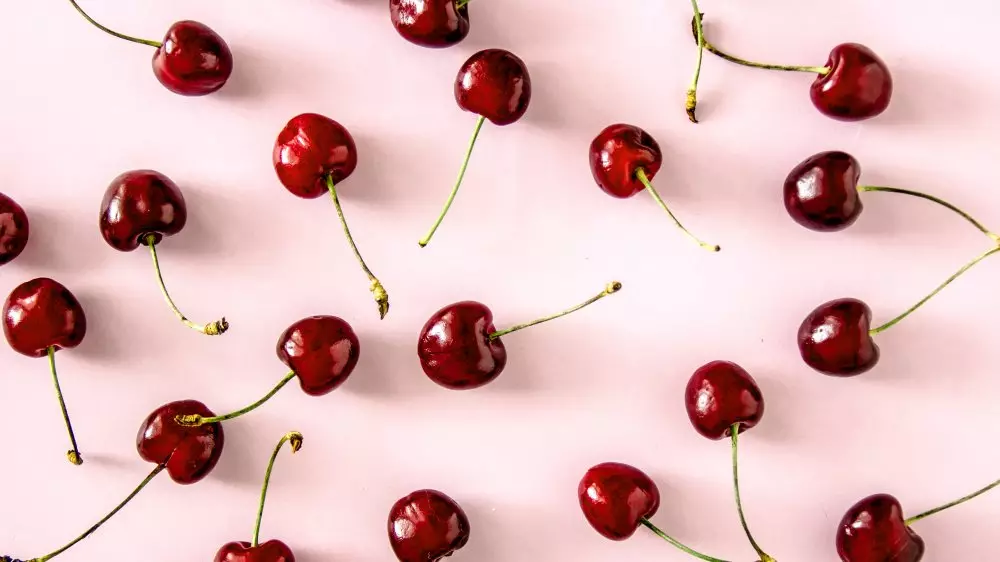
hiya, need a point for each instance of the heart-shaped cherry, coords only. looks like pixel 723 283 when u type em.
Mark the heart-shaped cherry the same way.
pixel 836 338
pixel 460 348
pixel 426 526
pixel 41 317
pixel 312 155
pixel 192 60
pixel 143 207
pixel 13 229
pixel 495 85
pixel 272 550
pixel 624 159
pixel 431 23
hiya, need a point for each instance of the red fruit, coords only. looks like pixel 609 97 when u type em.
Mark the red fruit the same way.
pixel 821 193
pixel 270 551
pixel 455 349
pixel 310 148
pixel 42 313
pixel 322 350
pixel 616 497
pixel 874 530
pixel 720 395
pixel 617 153
pixel 430 23
pixel 835 340
pixel 13 229
pixel 427 526
pixel 189 453
pixel 140 203
pixel 495 84
pixel 858 85
pixel 193 60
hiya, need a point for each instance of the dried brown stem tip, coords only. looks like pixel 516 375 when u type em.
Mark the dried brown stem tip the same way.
pixel 74 458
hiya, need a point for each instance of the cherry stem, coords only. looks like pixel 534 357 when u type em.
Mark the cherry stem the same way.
pixel 734 431
pixel 459 4
pixel 973 495
pixel 656 530
pixel 149 42
pixel 295 440
pixel 195 420
pixel 611 288
pixel 458 183
pixel 216 328
pixel 979 226
pixel 691 103
pixel 641 175
pixel 381 296
pixel 96 526
pixel 821 70
pixel 74 454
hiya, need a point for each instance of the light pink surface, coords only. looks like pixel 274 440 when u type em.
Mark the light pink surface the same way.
pixel 530 233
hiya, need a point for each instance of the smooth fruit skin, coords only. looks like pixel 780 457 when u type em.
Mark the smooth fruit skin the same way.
pixel 270 551
pixel 189 453
pixel 821 193
pixel 138 203
pixel 42 313
pixel 617 153
pixel 834 338
pixel 310 148
pixel 858 86
pixel 13 229
pixel 430 23
pixel 616 497
pixel 193 60
pixel 874 530
pixel 427 526
pixel 322 350
pixel 721 394
pixel 455 349
pixel 494 83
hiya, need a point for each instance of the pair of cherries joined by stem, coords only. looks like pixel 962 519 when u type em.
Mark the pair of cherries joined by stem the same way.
pixel 431 23
pixel 14 229
pixel 192 60
pixel 823 194
pixel 426 526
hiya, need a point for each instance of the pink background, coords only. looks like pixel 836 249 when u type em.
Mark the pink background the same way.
pixel 530 233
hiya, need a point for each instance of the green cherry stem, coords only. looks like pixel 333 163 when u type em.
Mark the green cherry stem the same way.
pixel 149 42
pixel 459 4
pixel 194 420
pixel 458 183
pixel 641 175
pixel 294 438
pixel 656 530
pixel 821 70
pixel 215 328
pixel 959 501
pixel 74 454
pixel 381 297
pixel 610 289
pixel 734 431
pixel 979 226
pixel 691 103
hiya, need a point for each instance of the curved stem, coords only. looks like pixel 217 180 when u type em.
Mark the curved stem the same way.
pixel 194 420
pixel 821 70
pixel 641 175
pixel 118 508
pixel 678 544
pixel 216 328
pixel 611 288
pixel 734 431
pixel 979 226
pixel 458 183
pixel 691 104
pixel 962 500
pixel 947 282
pixel 381 297
pixel 295 438
pixel 73 454
pixel 151 43
pixel 459 4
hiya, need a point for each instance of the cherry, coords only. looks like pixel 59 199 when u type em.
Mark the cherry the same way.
pixel 272 550
pixel 426 526
pixel 624 159
pixel 836 338
pixel 13 229
pixel 312 155
pixel 431 23
pixel 460 348
pixel 143 207
pixel 495 85
pixel 821 193
pixel 192 60
pixel 41 317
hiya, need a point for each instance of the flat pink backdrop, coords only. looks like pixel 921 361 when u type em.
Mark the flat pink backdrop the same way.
pixel 530 233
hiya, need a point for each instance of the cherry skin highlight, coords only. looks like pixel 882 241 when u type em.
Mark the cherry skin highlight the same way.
pixel 616 497
pixel 721 394
pixel 13 229
pixel 189 453
pixel 821 193
pixel 873 530
pixel 427 526
pixel 617 153
pixel 141 203
pixel 322 350
pixel 835 340
pixel 270 551
pixel 310 148
pixel 455 349
pixel 40 314
pixel 858 85
pixel 495 84
pixel 430 23
pixel 192 60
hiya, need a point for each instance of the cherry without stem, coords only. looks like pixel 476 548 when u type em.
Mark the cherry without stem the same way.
pixel 431 23
pixel 426 526
pixel 14 229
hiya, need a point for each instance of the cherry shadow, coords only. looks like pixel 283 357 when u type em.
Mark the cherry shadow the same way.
pixel 106 336
pixel 378 373
pixel 246 81
pixel 238 466
pixel 203 234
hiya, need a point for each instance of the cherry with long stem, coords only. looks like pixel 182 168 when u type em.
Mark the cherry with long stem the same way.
pixel 656 530
pixel 458 183
pixel 73 454
pixel 734 431
pixel 949 505
pixel 610 289
pixel 640 174
pixel 149 42
pixel 294 440
pixel 381 297
pixel 215 328
pixel 691 103
pixel 195 420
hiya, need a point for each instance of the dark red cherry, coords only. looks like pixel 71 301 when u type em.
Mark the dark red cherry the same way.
pixel 427 526
pixel 858 86
pixel 193 60
pixel 139 203
pixel 721 394
pixel 874 530
pixel 455 349
pixel 430 23
pixel 42 313
pixel 322 350
pixel 189 453
pixel 13 229
pixel 821 193
pixel 270 551
pixel 494 83
pixel 834 339
pixel 310 148
pixel 616 497
pixel 617 153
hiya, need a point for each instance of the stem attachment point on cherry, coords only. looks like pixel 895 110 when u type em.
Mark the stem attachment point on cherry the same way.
pixel 609 289
pixel 294 440
pixel 640 174
pixel 656 530
pixel 458 183
pixel 195 420
pixel 691 102
pixel 821 70
pixel 734 432
pixel 149 42
pixel 73 454
pixel 215 328
pixel 959 501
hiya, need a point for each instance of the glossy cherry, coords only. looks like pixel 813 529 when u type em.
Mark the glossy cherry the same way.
pixel 616 498
pixel 721 395
pixel 188 453
pixel 431 23
pixel 822 194
pixel 13 229
pixel 874 530
pixel 426 526
pixel 835 338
